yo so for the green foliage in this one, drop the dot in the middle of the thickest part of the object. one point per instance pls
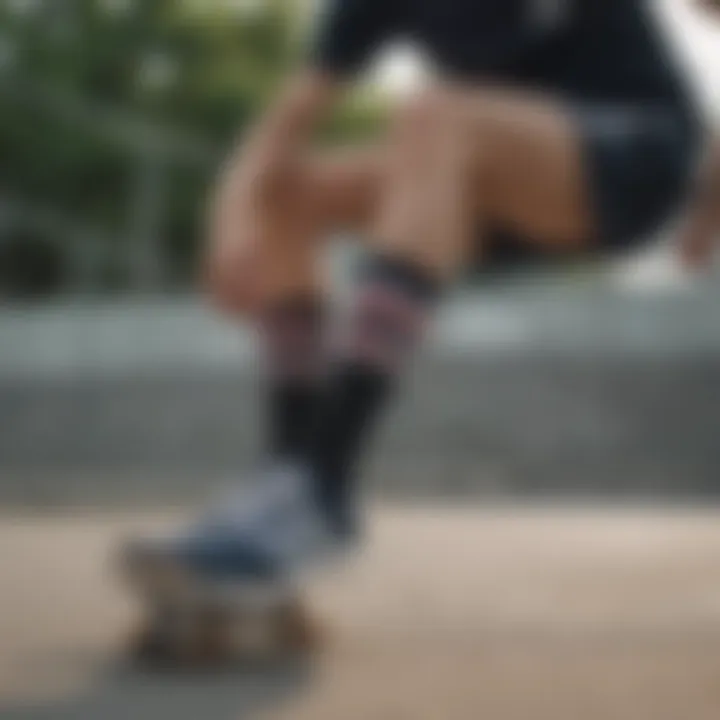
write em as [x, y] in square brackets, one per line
[88, 88]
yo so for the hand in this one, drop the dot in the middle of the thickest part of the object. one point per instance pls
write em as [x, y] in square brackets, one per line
[709, 6]
[231, 270]
[696, 253]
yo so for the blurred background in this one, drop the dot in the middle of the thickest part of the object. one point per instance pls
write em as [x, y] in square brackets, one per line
[117, 384]
[122, 394]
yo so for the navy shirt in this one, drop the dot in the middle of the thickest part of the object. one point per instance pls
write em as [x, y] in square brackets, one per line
[599, 50]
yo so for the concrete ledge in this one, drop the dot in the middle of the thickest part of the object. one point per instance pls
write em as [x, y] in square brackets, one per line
[585, 319]
[466, 426]
[525, 390]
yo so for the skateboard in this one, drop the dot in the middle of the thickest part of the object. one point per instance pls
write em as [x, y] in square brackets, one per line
[185, 623]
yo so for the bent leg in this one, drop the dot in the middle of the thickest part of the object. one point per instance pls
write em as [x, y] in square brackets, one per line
[464, 159]
[455, 159]
[449, 164]
[268, 270]
[275, 251]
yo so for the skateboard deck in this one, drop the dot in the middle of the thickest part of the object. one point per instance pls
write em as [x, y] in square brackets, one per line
[186, 622]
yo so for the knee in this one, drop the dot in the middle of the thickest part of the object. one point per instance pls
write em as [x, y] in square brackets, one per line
[427, 120]
[448, 126]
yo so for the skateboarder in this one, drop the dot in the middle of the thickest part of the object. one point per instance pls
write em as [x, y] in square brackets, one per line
[562, 125]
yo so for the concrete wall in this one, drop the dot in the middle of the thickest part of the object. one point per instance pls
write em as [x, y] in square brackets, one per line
[526, 391]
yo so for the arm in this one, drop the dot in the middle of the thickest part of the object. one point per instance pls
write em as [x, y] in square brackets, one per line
[348, 33]
[711, 6]
[702, 229]
[258, 165]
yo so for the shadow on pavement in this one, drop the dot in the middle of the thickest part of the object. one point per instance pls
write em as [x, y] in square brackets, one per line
[124, 692]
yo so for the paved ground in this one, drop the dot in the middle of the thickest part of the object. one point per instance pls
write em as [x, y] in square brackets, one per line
[451, 614]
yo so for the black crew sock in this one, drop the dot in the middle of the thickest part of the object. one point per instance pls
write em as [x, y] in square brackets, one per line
[292, 407]
[394, 301]
[355, 398]
[293, 334]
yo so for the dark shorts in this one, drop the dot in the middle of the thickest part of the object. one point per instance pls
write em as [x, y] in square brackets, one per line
[640, 162]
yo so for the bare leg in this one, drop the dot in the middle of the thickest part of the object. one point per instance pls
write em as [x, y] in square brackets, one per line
[701, 231]
[465, 158]
[276, 252]
[268, 270]
[455, 158]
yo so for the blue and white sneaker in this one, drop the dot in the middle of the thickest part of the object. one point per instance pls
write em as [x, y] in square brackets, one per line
[255, 544]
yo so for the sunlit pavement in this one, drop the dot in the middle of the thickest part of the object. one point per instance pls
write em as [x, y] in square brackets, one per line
[452, 613]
